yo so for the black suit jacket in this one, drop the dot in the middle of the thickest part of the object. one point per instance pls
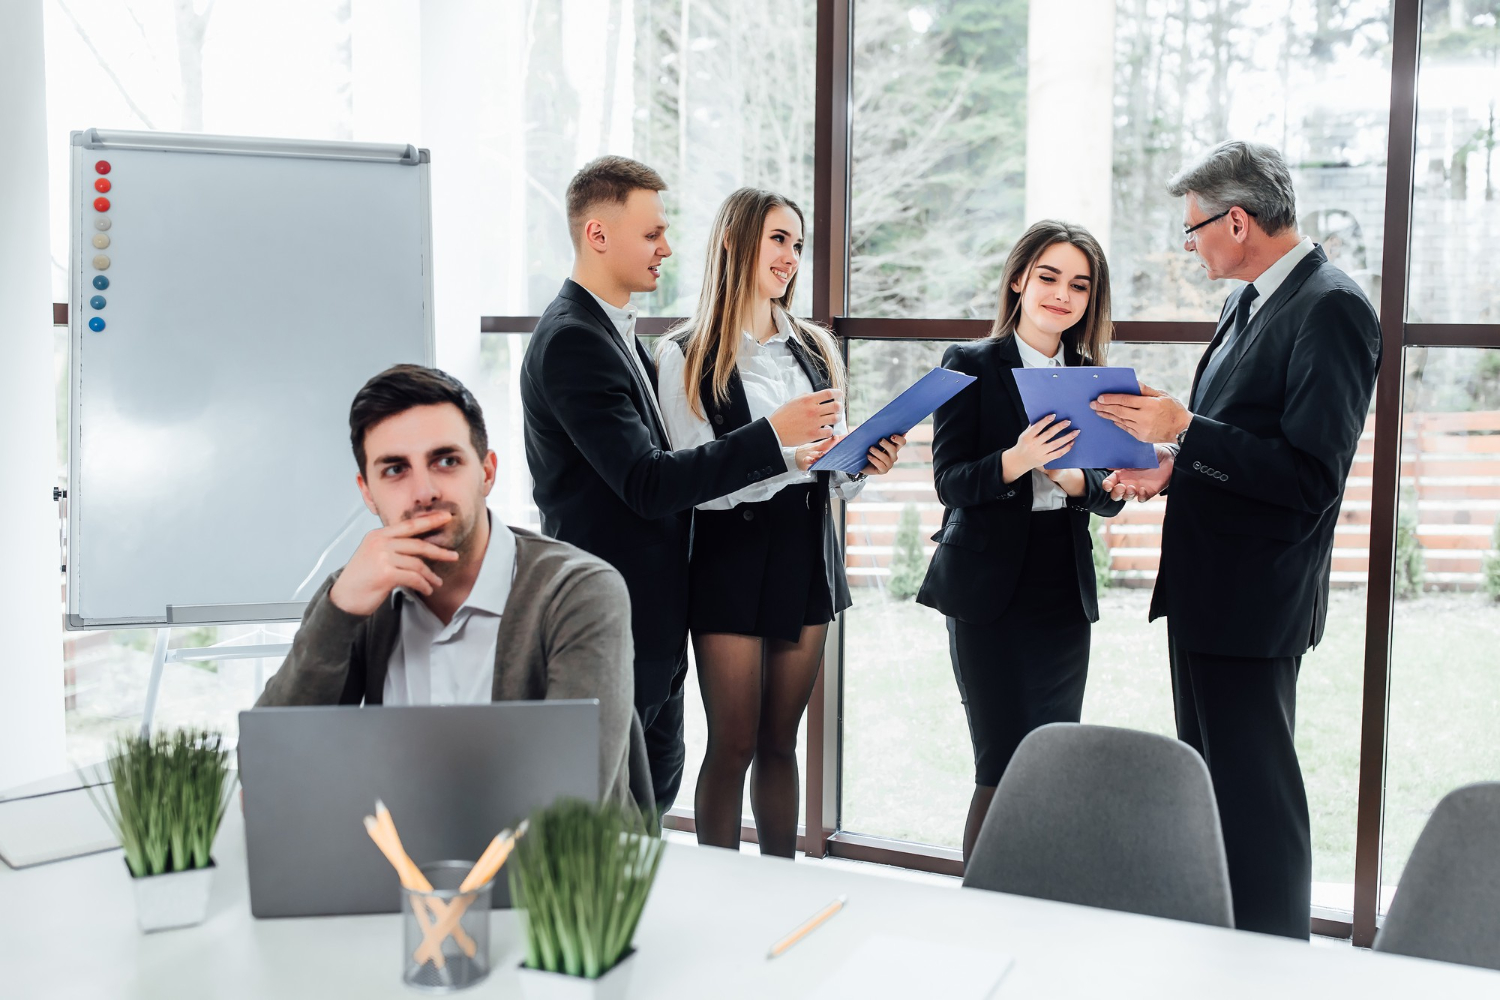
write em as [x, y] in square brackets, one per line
[974, 573]
[1247, 540]
[606, 480]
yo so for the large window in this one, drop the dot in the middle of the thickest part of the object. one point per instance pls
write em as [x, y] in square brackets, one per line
[1445, 687]
[973, 119]
[714, 96]
[1455, 271]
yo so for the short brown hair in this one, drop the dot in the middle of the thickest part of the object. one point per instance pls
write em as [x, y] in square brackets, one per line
[607, 180]
[402, 387]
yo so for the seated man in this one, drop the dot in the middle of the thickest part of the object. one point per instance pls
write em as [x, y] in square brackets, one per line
[446, 604]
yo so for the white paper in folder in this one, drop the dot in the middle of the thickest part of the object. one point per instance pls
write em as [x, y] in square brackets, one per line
[899, 967]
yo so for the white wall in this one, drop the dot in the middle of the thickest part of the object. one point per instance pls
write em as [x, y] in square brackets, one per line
[31, 681]
[1070, 97]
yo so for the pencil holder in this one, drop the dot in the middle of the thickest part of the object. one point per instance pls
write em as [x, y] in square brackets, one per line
[446, 933]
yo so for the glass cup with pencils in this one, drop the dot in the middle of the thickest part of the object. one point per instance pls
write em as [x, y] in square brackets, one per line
[445, 909]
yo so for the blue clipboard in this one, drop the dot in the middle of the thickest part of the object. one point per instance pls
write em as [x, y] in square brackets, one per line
[896, 417]
[1068, 392]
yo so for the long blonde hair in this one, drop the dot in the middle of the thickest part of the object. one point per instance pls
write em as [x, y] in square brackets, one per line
[1090, 336]
[729, 286]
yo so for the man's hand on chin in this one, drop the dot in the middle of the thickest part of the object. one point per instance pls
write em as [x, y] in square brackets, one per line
[388, 558]
[1153, 417]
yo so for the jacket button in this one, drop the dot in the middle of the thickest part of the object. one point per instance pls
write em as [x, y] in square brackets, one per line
[719, 418]
[749, 514]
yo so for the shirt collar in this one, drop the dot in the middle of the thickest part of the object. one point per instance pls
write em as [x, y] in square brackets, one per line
[492, 586]
[1272, 277]
[1033, 358]
[623, 319]
[783, 328]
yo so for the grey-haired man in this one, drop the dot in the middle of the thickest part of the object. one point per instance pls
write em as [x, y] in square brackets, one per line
[1256, 460]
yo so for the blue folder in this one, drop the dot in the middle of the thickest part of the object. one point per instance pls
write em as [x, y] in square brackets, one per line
[1068, 392]
[896, 417]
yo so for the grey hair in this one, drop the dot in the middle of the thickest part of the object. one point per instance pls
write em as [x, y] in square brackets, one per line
[1248, 174]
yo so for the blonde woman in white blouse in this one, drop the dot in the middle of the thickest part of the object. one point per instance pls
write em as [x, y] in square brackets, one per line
[766, 575]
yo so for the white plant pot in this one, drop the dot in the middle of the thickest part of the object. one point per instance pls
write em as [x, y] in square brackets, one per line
[176, 899]
[613, 985]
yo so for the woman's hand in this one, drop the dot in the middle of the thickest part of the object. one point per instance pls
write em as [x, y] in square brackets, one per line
[1044, 441]
[1070, 481]
[808, 454]
[883, 455]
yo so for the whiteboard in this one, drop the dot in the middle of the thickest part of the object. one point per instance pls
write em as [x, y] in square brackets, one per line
[253, 286]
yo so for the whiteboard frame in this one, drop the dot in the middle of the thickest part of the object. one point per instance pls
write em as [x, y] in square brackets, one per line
[100, 139]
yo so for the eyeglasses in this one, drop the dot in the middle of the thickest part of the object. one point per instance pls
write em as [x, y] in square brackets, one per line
[1188, 231]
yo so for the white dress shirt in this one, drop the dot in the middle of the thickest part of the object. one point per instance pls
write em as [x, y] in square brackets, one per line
[624, 321]
[454, 664]
[771, 376]
[1271, 279]
[1045, 494]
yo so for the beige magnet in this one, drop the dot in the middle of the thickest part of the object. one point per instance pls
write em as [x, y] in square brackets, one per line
[101, 262]
[101, 223]
[100, 241]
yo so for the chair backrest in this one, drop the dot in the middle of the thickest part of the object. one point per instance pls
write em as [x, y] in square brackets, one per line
[1107, 817]
[1447, 905]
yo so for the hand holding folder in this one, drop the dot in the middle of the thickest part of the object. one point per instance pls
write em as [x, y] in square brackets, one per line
[1067, 392]
[897, 417]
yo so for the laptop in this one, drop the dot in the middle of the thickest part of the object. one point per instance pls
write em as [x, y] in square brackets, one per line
[452, 776]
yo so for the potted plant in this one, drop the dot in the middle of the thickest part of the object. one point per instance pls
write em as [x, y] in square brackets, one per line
[581, 877]
[169, 795]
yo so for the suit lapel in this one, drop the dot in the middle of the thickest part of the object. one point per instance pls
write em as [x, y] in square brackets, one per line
[582, 296]
[1283, 294]
[385, 632]
[810, 366]
[1226, 317]
[1009, 357]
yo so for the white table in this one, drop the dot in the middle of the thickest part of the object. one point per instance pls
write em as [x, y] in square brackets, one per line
[68, 930]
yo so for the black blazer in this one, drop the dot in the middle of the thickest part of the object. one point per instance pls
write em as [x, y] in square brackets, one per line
[974, 573]
[755, 536]
[604, 477]
[1247, 540]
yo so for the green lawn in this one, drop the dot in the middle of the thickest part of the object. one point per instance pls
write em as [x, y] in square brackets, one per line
[907, 764]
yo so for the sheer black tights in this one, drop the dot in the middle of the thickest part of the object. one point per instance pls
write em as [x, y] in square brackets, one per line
[754, 693]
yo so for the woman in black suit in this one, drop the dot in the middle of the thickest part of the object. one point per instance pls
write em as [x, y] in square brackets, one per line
[1014, 569]
[766, 572]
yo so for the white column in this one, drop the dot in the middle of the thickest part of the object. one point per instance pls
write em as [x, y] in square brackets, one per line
[459, 42]
[1070, 113]
[32, 733]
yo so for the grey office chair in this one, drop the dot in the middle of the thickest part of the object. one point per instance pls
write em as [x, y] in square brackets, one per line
[1107, 817]
[1447, 905]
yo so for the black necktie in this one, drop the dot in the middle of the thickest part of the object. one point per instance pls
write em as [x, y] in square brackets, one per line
[1236, 330]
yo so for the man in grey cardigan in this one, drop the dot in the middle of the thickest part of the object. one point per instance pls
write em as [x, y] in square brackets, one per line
[446, 604]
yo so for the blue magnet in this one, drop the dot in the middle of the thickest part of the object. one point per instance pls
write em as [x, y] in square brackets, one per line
[101, 282]
[96, 324]
[97, 302]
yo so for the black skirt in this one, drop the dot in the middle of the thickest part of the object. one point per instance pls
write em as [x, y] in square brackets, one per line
[1028, 667]
[767, 569]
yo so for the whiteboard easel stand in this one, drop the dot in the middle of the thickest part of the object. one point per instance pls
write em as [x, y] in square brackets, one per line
[230, 649]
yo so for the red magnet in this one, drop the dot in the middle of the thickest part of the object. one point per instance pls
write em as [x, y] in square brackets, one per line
[102, 166]
[101, 185]
[101, 204]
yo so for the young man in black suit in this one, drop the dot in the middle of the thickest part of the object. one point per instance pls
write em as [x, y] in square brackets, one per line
[606, 477]
[1256, 461]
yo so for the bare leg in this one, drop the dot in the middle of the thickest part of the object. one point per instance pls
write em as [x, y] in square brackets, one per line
[775, 791]
[979, 807]
[729, 675]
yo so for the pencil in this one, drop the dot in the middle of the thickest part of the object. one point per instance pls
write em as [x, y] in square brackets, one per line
[813, 922]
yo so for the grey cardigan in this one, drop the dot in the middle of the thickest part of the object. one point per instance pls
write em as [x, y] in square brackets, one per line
[564, 633]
